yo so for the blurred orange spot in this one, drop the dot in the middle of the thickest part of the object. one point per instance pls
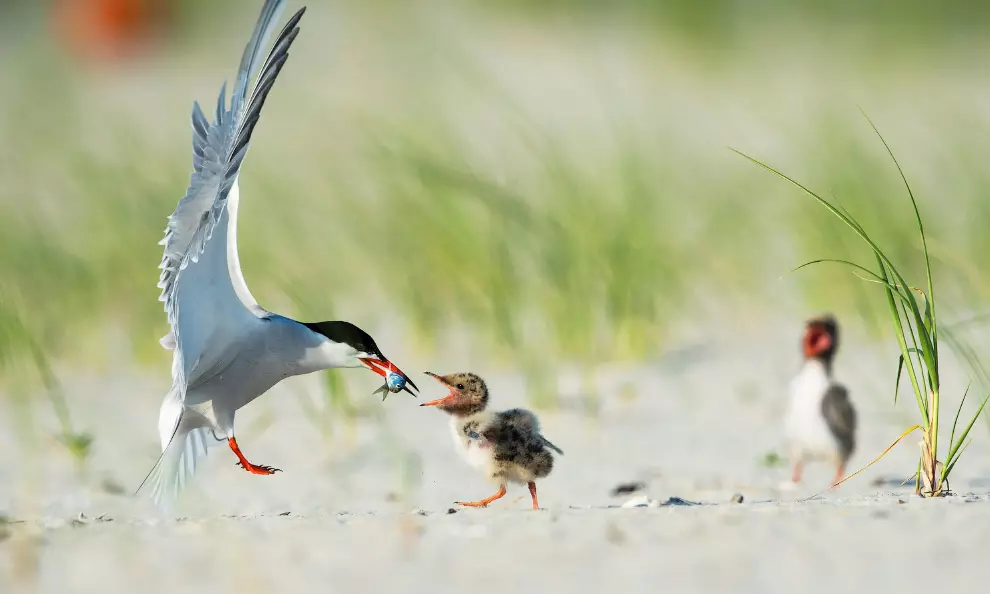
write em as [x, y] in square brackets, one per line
[106, 29]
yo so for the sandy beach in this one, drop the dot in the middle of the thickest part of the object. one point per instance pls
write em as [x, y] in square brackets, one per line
[861, 543]
[370, 508]
[517, 185]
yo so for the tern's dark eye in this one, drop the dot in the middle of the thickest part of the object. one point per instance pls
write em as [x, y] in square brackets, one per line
[460, 386]
[473, 435]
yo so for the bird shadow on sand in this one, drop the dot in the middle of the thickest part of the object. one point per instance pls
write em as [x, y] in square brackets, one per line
[894, 482]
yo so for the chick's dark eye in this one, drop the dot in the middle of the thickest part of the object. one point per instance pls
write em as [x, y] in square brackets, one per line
[460, 386]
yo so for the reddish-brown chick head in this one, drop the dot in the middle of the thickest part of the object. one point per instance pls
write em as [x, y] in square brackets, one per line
[821, 337]
[468, 394]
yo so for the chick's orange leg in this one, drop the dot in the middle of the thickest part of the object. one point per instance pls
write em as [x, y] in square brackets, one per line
[532, 492]
[796, 476]
[484, 502]
[243, 462]
[840, 471]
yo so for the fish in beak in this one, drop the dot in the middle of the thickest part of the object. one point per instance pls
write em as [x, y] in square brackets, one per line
[395, 380]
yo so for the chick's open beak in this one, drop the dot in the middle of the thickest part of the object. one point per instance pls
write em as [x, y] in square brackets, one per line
[383, 366]
[446, 399]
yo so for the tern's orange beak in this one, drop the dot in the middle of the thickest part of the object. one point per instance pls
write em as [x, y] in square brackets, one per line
[384, 366]
[449, 398]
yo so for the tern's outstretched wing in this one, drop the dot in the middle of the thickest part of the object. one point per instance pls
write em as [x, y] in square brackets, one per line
[206, 299]
[208, 304]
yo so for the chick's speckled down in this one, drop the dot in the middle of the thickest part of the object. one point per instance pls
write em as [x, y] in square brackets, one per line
[521, 453]
[507, 444]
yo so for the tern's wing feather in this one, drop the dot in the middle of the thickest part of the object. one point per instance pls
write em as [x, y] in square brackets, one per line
[206, 299]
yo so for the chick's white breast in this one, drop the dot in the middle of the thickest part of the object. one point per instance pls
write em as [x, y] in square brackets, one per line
[805, 425]
[476, 452]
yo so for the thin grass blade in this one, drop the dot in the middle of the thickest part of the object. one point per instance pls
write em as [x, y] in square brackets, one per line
[967, 353]
[897, 380]
[875, 460]
[873, 277]
[954, 448]
[952, 434]
[948, 467]
[921, 229]
[843, 216]
[902, 342]
[831, 208]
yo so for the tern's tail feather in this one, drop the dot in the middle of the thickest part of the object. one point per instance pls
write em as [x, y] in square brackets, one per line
[183, 447]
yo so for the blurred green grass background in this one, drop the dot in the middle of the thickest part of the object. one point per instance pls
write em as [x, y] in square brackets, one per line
[550, 177]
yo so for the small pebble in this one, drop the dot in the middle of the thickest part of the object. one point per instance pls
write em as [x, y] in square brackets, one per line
[641, 501]
[679, 501]
[451, 511]
[627, 488]
[737, 498]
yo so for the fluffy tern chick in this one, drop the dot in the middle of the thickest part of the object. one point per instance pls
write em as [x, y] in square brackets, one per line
[506, 446]
[821, 421]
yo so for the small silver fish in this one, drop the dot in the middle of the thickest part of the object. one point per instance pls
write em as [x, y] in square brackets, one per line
[383, 390]
[394, 383]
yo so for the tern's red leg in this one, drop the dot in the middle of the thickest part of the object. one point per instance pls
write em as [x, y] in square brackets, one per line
[252, 468]
[484, 502]
[796, 477]
[532, 492]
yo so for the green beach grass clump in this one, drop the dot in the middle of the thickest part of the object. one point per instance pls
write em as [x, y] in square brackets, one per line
[555, 196]
[913, 317]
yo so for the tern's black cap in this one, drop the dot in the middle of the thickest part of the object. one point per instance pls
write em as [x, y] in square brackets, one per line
[347, 333]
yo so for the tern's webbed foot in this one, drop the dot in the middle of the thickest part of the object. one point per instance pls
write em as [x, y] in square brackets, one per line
[258, 469]
[243, 462]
